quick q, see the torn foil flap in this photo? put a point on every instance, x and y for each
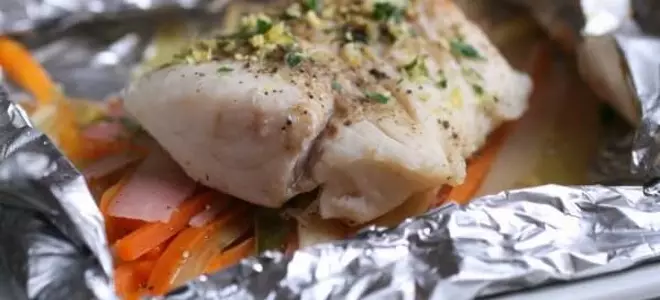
(51, 231)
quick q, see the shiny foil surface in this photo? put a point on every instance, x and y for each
(52, 237)
(21, 16)
(53, 244)
(504, 242)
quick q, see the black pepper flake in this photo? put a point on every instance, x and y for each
(496, 99)
(420, 87)
(454, 135)
(310, 96)
(445, 124)
(240, 82)
(266, 93)
(305, 112)
(348, 123)
(289, 122)
(283, 128)
(378, 74)
(246, 65)
(408, 91)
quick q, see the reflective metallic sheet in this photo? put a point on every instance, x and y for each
(52, 242)
(20, 16)
(498, 243)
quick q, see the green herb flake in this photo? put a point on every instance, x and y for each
(384, 11)
(442, 84)
(293, 59)
(417, 68)
(271, 230)
(378, 97)
(224, 69)
(263, 26)
(314, 5)
(460, 48)
(479, 90)
(336, 86)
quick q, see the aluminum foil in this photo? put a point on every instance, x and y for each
(21, 16)
(498, 243)
(53, 243)
(53, 239)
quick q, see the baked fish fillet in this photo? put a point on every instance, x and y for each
(369, 101)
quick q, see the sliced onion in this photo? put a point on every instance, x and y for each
(192, 250)
(211, 211)
(154, 191)
(110, 164)
(104, 131)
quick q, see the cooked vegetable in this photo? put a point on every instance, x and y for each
(271, 230)
(131, 277)
(192, 250)
(231, 256)
(19, 65)
(151, 235)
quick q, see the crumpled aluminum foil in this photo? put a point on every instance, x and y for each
(52, 237)
(499, 243)
(20, 16)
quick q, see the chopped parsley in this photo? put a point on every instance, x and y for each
(460, 48)
(417, 68)
(314, 5)
(378, 97)
(224, 69)
(384, 11)
(263, 26)
(336, 86)
(293, 59)
(442, 82)
(479, 90)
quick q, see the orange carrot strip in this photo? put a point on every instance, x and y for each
(151, 235)
(187, 251)
(156, 252)
(111, 230)
(479, 165)
(130, 277)
(232, 256)
(24, 70)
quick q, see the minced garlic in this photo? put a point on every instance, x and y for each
(351, 54)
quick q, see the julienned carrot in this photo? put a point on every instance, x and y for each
(231, 256)
(190, 251)
(24, 70)
(151, 235)
(156, 252)
(479, 165)
(131, 277)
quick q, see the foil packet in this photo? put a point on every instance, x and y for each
(23, 17)
(54, 245)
